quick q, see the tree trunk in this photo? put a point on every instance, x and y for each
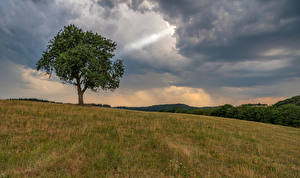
(80, 98)
(79, 91)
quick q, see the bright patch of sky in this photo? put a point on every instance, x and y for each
(150, 39)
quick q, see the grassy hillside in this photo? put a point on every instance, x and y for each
(52, 140)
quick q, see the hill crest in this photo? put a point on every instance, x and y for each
(293, 100)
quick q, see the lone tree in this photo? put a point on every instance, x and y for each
(82, 59)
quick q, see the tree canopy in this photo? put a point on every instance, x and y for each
(82, 58)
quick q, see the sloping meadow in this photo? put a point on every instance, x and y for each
(60, 140)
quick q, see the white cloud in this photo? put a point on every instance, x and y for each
(257, 66)
(152, 45)
(148, 40)
(281, 52)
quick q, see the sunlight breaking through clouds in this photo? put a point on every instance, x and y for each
(148, 40)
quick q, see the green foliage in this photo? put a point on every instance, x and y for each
(294, 100)
(202, 111)
(288, 115)
(224, 111)
(280, 114)
(82, 59)
(283, 114)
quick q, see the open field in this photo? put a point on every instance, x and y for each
(53, 140)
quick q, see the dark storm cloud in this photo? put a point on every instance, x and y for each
(247, 46)
(261, 72)
(26, 27)
(134, 4)
(233, 30)
(135, 66)
(230, 31)
(40, 1)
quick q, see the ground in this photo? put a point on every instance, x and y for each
(60, 140)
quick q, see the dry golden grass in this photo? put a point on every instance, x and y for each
(52, 140)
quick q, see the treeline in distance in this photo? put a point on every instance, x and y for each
(287, 115)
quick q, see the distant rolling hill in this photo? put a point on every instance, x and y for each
(294, 100)
(162, 107)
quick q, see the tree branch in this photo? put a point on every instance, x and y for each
(84, 89)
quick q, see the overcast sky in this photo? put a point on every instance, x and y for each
(197, 52)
